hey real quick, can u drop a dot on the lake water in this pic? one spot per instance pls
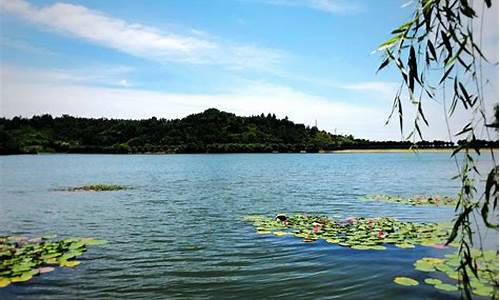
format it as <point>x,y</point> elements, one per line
<point>179,232</point>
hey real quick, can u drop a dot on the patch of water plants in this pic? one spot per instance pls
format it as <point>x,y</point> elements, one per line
<point>356,233</point>
<point>435,200</point>
<point>485,284</point>
<point>97,188</point>
<point>22,258</point>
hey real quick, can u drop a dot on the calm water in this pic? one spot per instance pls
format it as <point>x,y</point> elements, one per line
<point>178,233</point>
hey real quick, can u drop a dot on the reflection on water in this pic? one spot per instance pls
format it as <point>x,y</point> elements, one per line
<point>178,233</point>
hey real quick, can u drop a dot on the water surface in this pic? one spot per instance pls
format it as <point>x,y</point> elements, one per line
<point>178,233</point>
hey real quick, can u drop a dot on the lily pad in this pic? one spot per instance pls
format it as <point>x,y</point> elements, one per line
<point>28,257</point>
<point>432,281</point>
<point>421,265</point>
<point>405,245</point>
<point>24,277</point>
<point>446,287</point>
<point>4,282</point>
<point>357,233</point>
<point>483,290</point>
<point>406,281</point>
<point>279,233</point>
<point>70,264</point>
<point>487,269</point>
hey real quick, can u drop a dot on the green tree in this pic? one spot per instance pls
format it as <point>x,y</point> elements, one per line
<point>438,53</point>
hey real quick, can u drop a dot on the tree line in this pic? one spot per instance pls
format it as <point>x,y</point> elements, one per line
<point>211,131</point>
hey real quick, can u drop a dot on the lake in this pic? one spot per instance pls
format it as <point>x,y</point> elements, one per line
<point>179,233</point>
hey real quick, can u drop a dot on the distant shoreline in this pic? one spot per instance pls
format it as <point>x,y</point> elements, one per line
<point>427,150</point>
<point>415,150</point>
<point>343,151</point>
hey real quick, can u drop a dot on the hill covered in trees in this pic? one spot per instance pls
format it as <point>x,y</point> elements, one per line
<point>211,131</point>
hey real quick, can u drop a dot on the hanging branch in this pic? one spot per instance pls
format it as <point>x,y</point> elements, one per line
<point>439,39</point>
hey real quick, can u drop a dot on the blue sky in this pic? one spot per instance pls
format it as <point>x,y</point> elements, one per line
<point>307,59</point>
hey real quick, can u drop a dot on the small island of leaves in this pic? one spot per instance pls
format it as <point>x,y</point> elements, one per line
<point>435,200</point>
<point>356,233</point>
<point>22,258</point>
<point>97,188</point>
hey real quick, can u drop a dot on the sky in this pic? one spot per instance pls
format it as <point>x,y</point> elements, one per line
<point>310,60</point>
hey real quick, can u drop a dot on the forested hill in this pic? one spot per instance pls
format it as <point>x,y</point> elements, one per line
<point>211,131</point>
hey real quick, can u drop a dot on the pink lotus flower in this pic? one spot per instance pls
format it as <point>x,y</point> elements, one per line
<point>380,234</point>
<point>316,227</point>
<point>439,246</point>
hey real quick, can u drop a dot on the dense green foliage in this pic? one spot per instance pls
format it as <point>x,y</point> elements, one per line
<point>211,131</point>
<point>438,53</point>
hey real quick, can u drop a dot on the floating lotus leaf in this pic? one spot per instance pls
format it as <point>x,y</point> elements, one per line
<point>77,245</point>
<point>424,266</point>
<point>333,241</point>
<point>362,233</point>
<point>377,247</point>
<point>4,282</point>
<point>360,247</point>
<point>487,269</point>
<point>432,281</point>
<point>24,277</point>
<point>31,257</point>
<point>279,233</point>
<point>446,269</point>
<point>406,281</point>
<point>50,255</point>
<point>51,261</point>
<point>432,260</point>
<point>70,264</point>
<point>405,245</point>
<point>263,231</point>
<point>483,290</point>
<point>446,287</point>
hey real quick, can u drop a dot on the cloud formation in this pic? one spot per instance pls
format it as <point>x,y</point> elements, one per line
<point>141,40</point>
<point>328,6</point>
<point>30,92</point>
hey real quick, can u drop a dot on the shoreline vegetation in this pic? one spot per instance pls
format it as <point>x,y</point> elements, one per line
<point>101,187</point>
<point>211,131</point>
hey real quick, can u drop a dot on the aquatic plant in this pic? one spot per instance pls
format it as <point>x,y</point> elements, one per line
<point>356,233</point>
<point>486,269</point>
<point>435,200</point>
<point>22,258</point>
<point>405,281</point>
<point>98,188</point>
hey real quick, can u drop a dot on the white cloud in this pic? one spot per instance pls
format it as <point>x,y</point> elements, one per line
<point>328,6</point>
<point>381,88</point>
<point>29,92</point>
<point>96,75</point>
<point>18,44</point>
<point>124,83</point>
<point>141,40</point>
